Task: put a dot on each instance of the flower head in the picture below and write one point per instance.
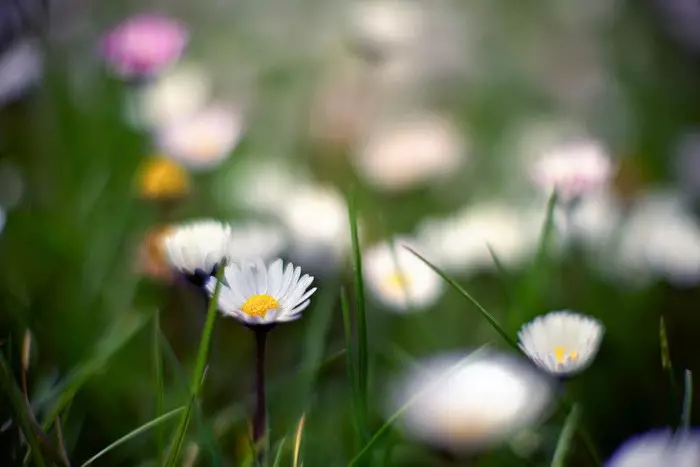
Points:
(144, 45)
(202, 140)
(562, 342)
(256, 294)
(161, 178)
(574, 167)
(399, 279)
(659, 447)
(470, 402)
(197, 247)
(255, 240)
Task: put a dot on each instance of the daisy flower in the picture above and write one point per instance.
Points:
(255, 240)
(470, 402)
(659, 447)
(399, 279)
(256, 294)
(197, 247)
(202, 140)
(561, 342)
(144, 45)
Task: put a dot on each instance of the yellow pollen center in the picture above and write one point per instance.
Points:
(259, 305)
(397, 281)
(561, 355)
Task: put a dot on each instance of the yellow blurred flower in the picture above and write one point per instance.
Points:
(151, 254)
(160, 178)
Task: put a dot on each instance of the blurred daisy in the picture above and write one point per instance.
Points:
(574, 167)
(468, 403)
(256, 294)
(161, 178)
(593, 221)
(410, 152)
(179, 93)
(197, 247)
(317, 219)
(562, 342)
(203, 140)
(260, 184)
(144, 45)
(151, 255)
(21, 67)
(461, 243)
(255, 240)
(399, 279)
(661, 238)
(659, 447)
(387, 25)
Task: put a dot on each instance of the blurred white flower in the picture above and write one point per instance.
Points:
(21, 67)
(202, 140)
(255, 240)
(410, 152)
(657, 448)
(261, 185)
(317, 219)
(573, 167)
(387, 25)
(461, 243)
(593, 220)
(562, 342)
(256, 294)
(661, 238)
(181, 92)
(399, 279)
(197, 247)
(471, 402)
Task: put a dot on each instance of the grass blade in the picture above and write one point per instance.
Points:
(20, 407)
(350, 361)
(133, 434)
(297, 440)
(488, 316)
(360, 317)
(317, 334)
(391, 420)
(160, 388)
(198, 375)
(278, 456)
(667, 365)
(687, 400)
(566, 437)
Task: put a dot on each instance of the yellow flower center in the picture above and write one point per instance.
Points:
(162, 178)
(398, 282)
(259, 305)
(561, 355)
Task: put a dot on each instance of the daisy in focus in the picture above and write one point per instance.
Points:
(399, 279)
(470, 402)
(198, 247)
(144, 45)
(257, 295)
(572, 168)
(562, 342)
(659, 447)
(203, 140)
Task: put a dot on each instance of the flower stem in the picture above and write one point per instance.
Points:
(260, 415)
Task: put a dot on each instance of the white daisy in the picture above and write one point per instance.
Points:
(255, 240)
(659, 447)
(256, 295)
(470, 402)
(411, 151)
(562, 342)
(197, 246)
(572, 167)
(203, 140)
(399, 279)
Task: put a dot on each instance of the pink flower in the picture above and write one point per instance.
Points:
(144, 45)
(573, 168)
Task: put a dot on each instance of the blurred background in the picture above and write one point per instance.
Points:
(433, 112)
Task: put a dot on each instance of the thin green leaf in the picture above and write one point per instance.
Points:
(317, 334)
(393, 418)
(351, 366)
(360, 316)
(197, 376)
(160, 387)
(20, 407)
(566, 437)
(488, 316)
(547, 229)
(133, 434)
(667, 365)
(278, 456)
(687, 400)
